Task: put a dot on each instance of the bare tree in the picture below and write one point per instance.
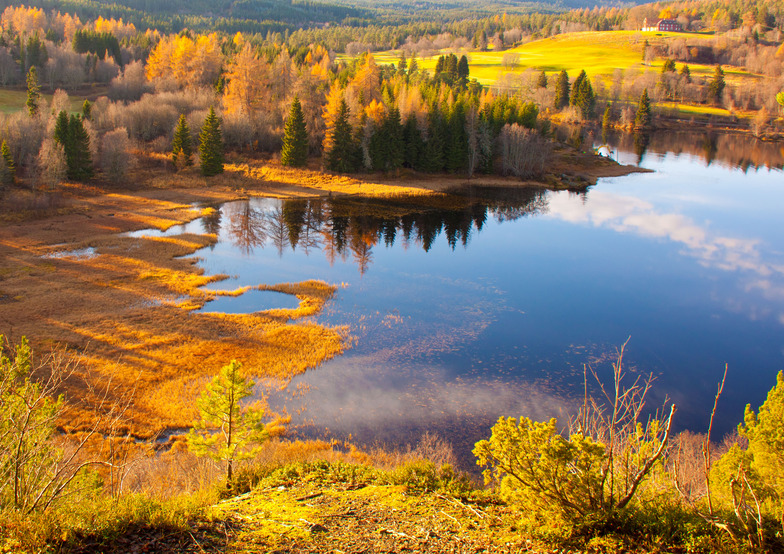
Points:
(51, 163)
(116, 158)
(524, 153)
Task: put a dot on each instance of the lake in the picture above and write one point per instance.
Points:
(489, 302)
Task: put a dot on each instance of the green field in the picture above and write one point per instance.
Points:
(597, 52)
(13, 100)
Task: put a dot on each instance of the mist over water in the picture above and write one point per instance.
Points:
(488, 303)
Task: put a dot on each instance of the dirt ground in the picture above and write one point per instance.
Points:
(125, 306)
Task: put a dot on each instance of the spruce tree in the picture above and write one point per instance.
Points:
(295, 138)
(343, 157)
(87, 110)
(77, 150)
(462, 71)
(686, 73)
(716, 86)
(61, 133)
(33, 92)
(576, 88)
(562, 90)
(432, 159)
(412, 142)
(211, 146)
(7, 167)
(182, 151)
(457, 145)
(642, 118)
(541, 81)
(586, 101)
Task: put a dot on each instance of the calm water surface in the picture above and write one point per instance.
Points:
(489, 303)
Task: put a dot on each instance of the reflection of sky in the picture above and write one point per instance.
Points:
(686, 260)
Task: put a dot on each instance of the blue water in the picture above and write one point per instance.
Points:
(492, 306)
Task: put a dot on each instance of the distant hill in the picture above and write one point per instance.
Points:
(301, 13)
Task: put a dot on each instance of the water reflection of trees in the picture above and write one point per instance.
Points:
(741, 151)
(351, 228)
(731, 149)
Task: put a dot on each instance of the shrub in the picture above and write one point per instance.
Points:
(589, 478)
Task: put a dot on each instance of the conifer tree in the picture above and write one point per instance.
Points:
(33, 92)
(386, 143)
(686, 73)
(432, 159)
(7, 167)
(413, 66)
(295, 138)
(87, 110)
(61, 128)
(716, 86)
(77, 150)
(71, 135)
(343, 156)
(606, 121)
(462, 71)
(585, 101)
(226, 431)
(642, 118)
(562, 90)
(211, 146)
(457, 145)
(576, 88)
(541, 81)
(412, 142)
(182, 151)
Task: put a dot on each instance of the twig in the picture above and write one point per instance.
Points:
(309, 496)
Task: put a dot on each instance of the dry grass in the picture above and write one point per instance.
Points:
(126, 306)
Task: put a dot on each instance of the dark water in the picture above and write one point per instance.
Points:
(489, 303)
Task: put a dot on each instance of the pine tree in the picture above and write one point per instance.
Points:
(295, 138)
(343, 156)
(211, 146)
(182, 151)
(77, 150)
(87, 110)
(562, 90)
(7, 167)
(226, 431)
(642, 118)
(33, 92)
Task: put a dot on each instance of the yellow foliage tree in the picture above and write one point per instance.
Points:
(246, 81)
(366, 84)
(330, 114)
(189, 62)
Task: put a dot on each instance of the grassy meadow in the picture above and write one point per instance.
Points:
(13, 100)
(597, 52)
